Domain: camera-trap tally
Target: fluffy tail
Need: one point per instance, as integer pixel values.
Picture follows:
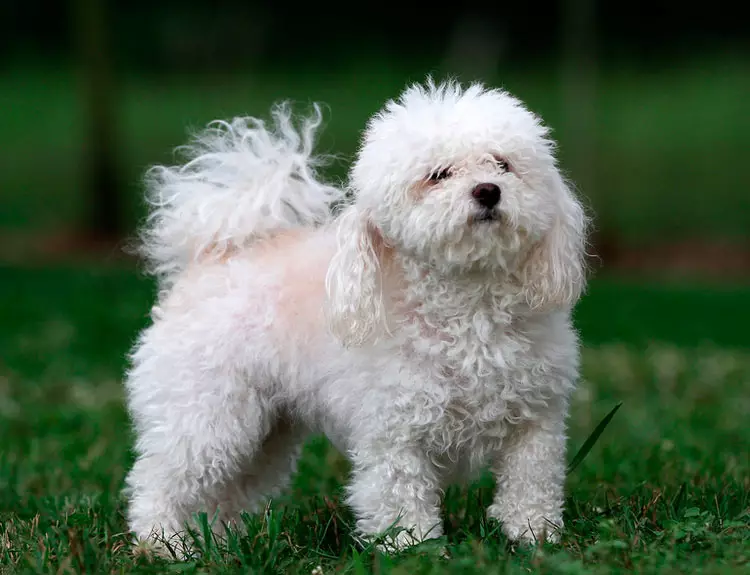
(242, 181)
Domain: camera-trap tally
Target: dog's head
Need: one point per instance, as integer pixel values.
(463, 181)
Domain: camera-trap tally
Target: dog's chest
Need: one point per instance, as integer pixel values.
(477, 369)
(482, 347)
(486, 365)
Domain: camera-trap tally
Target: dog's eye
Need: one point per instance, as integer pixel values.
(440, 175)
(502, 163)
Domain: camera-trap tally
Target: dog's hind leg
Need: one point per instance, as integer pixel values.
(196, 440)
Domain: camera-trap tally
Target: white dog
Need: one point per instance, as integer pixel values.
(426, 329)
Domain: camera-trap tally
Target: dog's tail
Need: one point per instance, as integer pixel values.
(242, 181)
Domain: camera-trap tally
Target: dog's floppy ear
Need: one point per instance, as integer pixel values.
(554, 274)
(355, 310)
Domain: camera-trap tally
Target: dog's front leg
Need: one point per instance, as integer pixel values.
(395, 486)
(530, 473)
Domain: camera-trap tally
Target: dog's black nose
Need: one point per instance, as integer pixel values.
(488, 195)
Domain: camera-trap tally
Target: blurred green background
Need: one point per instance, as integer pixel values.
(649, 103)
(647, 100)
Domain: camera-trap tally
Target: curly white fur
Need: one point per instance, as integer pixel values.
(241, 182)
(428, 335)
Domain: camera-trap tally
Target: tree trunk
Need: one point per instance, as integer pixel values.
(102, 184)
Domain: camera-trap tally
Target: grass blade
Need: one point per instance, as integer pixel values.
(592, 439)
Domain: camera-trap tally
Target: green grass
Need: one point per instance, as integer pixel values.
(666, 489)
(669, 142)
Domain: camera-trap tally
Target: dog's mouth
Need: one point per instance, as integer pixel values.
(485, 216)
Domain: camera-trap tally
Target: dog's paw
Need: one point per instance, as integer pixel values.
(533, 533)
(526, 531)
(402, 539)
(176, 546)
(397, 542)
